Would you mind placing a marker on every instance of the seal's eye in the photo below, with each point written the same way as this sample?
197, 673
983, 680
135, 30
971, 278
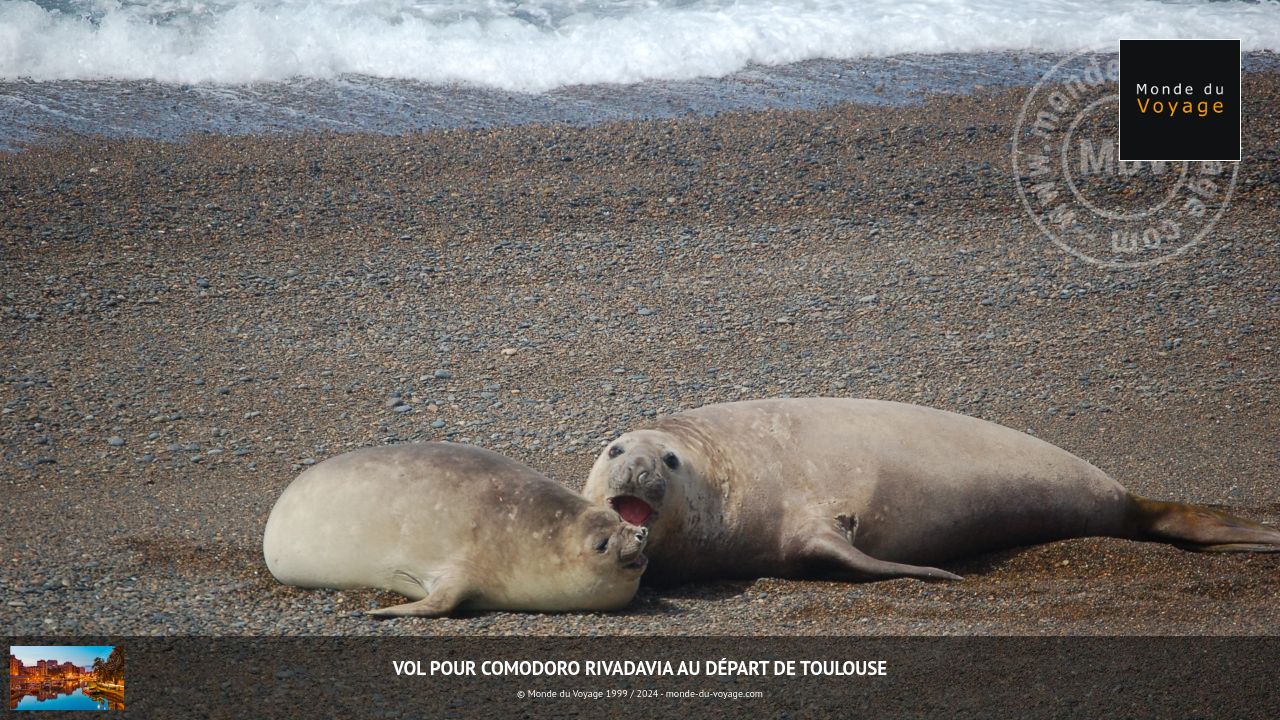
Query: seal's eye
615, 451
602, 545
671, 461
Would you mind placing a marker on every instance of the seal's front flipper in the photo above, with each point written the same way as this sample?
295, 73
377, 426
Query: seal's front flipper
444, 597
831, 548
1201, 529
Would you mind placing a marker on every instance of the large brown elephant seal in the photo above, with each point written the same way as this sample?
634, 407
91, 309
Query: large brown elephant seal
451, 525
869, 489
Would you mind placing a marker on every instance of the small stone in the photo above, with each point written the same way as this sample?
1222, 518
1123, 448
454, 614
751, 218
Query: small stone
645, 311
437, 424
308, 461
115, 441
509, 351
251, 414
868, 298
222, 390
202, 282
402, 409
442, 375
240, 452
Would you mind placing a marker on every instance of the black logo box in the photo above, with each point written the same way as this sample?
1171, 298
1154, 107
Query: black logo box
1157, 80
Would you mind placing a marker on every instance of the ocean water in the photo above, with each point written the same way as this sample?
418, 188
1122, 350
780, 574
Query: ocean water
165, 68
538, 45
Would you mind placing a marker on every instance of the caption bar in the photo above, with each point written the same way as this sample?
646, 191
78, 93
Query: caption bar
641, 668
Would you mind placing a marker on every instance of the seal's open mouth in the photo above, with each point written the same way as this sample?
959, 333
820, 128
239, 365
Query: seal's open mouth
631, 508
638, 564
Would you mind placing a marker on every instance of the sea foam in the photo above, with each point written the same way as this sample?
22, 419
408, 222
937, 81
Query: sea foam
543, 44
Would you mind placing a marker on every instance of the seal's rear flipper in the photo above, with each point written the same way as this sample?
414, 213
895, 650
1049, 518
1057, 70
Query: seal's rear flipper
1199, 529
834, 549
444, 598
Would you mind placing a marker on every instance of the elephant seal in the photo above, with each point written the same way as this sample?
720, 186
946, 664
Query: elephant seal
869, 489
448, 526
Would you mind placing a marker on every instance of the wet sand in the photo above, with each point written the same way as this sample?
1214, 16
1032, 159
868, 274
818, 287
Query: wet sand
187, 325
34, 113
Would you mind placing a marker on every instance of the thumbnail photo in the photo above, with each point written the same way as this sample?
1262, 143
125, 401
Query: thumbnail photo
66, 677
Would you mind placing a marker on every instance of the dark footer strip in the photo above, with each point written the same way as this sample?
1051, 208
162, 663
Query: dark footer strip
619, 677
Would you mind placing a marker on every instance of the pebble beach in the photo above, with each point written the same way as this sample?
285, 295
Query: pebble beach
188, 325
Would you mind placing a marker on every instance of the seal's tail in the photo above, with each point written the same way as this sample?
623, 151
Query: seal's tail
1201, 529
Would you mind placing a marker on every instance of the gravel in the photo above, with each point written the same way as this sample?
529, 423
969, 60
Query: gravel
855, 251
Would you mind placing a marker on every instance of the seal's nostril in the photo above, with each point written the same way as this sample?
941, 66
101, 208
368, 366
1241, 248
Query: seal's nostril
644, 533
644, 475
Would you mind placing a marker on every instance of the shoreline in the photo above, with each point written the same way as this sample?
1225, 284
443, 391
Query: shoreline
45, 114
185, 325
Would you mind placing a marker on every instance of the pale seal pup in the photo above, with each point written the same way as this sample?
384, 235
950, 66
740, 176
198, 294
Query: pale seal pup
868, 489
448, 526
